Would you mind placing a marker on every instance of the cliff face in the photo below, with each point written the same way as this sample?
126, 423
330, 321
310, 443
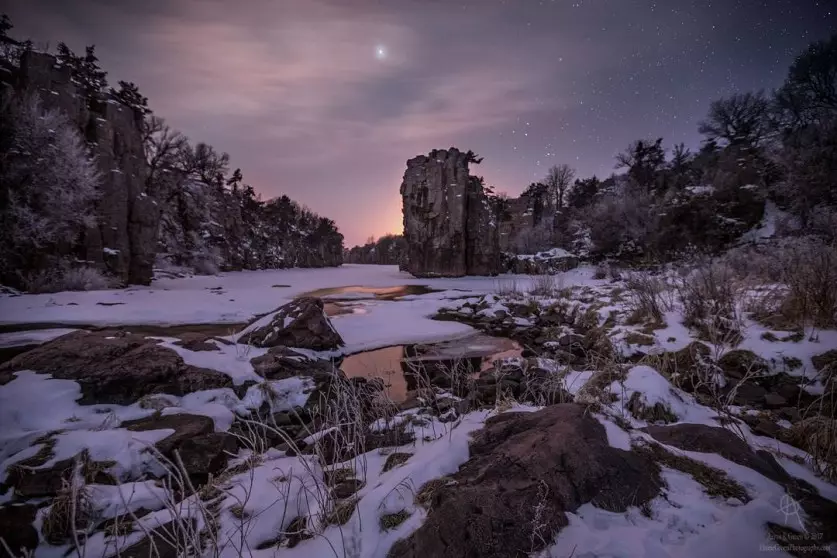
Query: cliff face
124, 240
448, 225
173, 218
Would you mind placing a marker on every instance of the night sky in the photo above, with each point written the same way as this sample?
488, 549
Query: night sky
325, 100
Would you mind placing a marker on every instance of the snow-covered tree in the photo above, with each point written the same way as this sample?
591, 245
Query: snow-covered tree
48, 184
85, 70
128, 94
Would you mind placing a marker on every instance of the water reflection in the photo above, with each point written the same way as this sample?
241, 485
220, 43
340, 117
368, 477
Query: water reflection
401, 366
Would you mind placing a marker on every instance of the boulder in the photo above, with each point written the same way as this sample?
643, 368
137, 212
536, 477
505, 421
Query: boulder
280, 363
301, 323
38, 482
549, 262
738, 363
523, 467
114, 369
714, 439
185, 426
201, 449
825, 363
449, 226
16, 529
197, 342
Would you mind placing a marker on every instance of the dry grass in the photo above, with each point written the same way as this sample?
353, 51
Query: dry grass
507, 286
646, 300
70, 515
716, 482
546, 285
391, 521
396, 459
424, 496
656, 413
709, 297
342, 512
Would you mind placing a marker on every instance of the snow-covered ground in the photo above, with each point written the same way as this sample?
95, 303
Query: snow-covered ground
234, 298
226, 298
278, 488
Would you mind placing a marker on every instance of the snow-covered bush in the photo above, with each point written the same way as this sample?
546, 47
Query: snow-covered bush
48, 187
534, 240
65, 279
621, 224
709, 295
810, 272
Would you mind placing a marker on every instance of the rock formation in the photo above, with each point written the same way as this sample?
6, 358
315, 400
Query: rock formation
448, 223
558, 458
301, 323
124, 240
145, 221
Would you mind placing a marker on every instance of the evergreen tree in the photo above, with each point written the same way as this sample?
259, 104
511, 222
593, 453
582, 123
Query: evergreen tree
128, 94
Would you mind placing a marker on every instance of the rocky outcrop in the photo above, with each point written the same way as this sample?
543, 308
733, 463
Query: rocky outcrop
302, 324
280, 363
449, 225
16, 528
525, 472
714, 439
124, 240
114, 368
201, 449
543, 263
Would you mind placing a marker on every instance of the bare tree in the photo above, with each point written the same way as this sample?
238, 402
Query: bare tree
742, 120
558, 180
164, 150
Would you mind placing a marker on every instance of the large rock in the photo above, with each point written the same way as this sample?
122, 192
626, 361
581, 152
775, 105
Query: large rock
448, 223
202, 450
280, 363
114, 368
543, 263
16, 529
301, 323
522, 465
124, 240
714, 439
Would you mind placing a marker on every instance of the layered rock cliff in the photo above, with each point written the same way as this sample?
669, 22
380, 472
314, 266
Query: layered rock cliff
449, 226
124, 240
145, 219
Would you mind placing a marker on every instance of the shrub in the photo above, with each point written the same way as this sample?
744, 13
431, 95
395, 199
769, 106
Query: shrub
537, 239
645, 293
621, 224
60, 279
545, 285
709, 297
205, 264
810, 272
806, 269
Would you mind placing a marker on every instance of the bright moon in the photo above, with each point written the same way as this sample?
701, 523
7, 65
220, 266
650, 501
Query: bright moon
380, 52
